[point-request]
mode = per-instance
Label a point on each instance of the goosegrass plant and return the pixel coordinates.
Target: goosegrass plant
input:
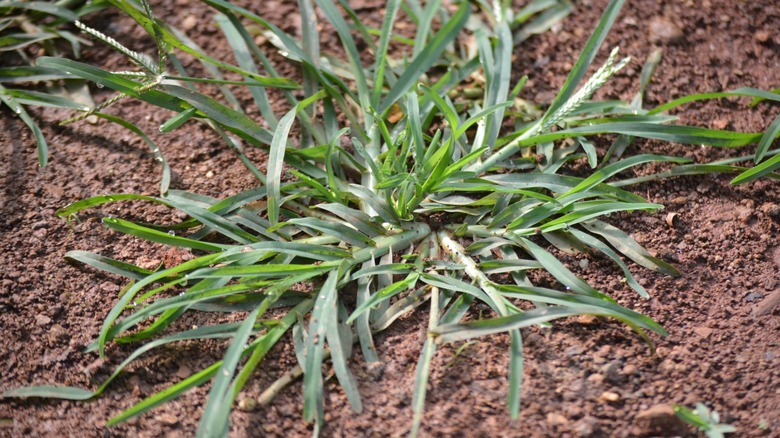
(423, 179)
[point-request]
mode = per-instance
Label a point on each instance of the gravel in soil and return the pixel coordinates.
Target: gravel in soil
(586, 377)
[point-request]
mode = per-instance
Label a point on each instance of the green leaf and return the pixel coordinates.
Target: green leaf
(427, 57)
(385, 294)
(108, 264)
(628, 246)
(43, 148)
(589, 210)
(749, 92)
(339, 336)
(165, 180)
(455, 285)
(391, 11)
(601, 246)
(558, 270)
(761, 170)
(159, 236)
(276, 164)
(156, 29)
(84, 204)
(766, 140)
(31, 74)
(178, 120)
(340, 231)
(447, 333)
(214, 421)
(166, 395)
(586, 56)
(314, 349)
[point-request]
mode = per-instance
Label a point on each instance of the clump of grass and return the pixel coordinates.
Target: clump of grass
(398, 188)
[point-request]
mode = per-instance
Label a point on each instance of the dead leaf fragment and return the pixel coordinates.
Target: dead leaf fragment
(673, 220)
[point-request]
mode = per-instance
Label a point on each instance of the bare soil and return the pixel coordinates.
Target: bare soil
(585, 377)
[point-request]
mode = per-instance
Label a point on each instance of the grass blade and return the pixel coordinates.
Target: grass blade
(766, 140)
(628, 246)
(761, 170)
(16, 107)
(587, 55)
(214, 421)
(276, 164)
(427, 57)
(314, 348)
(108, 264)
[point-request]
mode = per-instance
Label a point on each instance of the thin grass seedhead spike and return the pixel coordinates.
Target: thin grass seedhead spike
(596, 81)
(139, 59)
(94, 110)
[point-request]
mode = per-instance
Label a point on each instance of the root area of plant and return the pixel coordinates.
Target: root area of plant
(586, 377)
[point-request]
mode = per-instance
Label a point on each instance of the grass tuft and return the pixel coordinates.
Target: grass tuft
(404, 185)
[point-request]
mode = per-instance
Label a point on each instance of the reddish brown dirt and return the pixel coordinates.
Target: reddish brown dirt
(722, 315)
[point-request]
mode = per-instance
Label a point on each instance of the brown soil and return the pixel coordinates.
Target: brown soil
(582, 378)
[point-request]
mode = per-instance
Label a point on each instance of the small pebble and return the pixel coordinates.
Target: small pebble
(183, 372)
(247, 404)
(609, 397)
(659, 420)
(168, 419)
(703, 332)
(611, 371)
(587, 427)
(42, 320)
(770, 209)
(57, 334)
(556, 419)
(664, 31)
(189, 22)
